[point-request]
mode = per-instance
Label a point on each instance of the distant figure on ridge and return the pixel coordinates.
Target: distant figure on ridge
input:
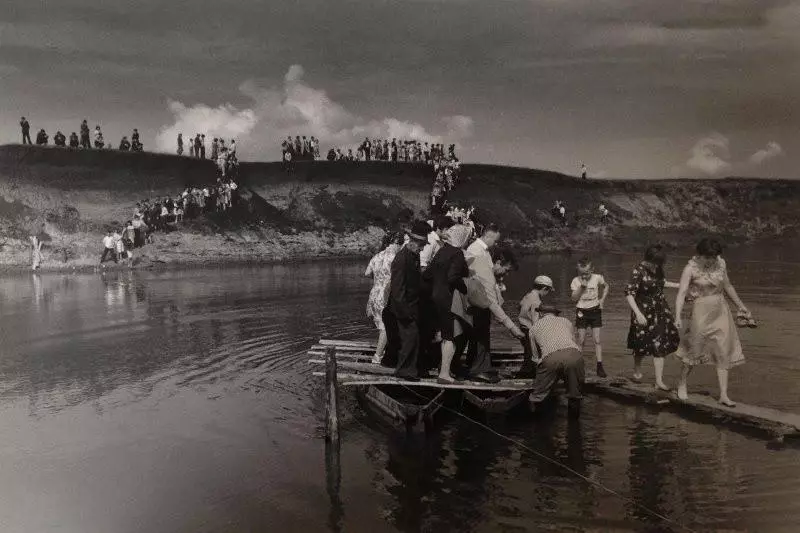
(73, 140)
(26, 131)
(98, 137)
(180, 144)
(202, 146)
(60, 140)
(124, 144)
(41, 137)
(583, 171)
(85, 140)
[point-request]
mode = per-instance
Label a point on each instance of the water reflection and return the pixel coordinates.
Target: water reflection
(204, 373)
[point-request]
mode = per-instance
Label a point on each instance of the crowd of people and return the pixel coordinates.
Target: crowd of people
(305, 149)
(223, 155)
(437, 286)
(87, 140)
(159, 214)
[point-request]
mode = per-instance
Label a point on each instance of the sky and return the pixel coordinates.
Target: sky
(631, 88)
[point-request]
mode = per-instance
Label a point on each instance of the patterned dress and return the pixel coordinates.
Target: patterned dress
(711, 337)
(660, 336)
(380, 268)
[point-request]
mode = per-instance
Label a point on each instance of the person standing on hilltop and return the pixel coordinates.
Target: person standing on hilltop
(85, 140)
(367, 148)
(202, 146)
(180, 144)
(98, 137)
(59, 139)
(73, 140)
(583, 171)
(26, 131)
(315, 142)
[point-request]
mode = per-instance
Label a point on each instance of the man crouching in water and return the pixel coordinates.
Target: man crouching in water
(558, 357)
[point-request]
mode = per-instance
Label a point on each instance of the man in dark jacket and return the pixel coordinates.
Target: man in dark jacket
(401, 316)
(26, 131)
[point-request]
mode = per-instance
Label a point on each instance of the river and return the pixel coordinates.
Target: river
(182, 401)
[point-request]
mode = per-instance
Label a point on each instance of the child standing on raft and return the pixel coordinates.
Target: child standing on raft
(589, 292)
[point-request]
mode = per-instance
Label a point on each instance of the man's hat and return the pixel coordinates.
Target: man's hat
(543, 280)
(419, 230)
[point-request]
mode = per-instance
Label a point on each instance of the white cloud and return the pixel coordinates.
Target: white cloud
(710, 154)
(770, 151)
(296, 109)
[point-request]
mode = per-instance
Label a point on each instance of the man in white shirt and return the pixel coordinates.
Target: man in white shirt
(558, 357)
(484, 270)
(109, 247)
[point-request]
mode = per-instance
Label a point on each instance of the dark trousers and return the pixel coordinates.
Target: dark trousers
(565, 364)
(479, 358)
(402, 344)
(26, 137)
(107, 251)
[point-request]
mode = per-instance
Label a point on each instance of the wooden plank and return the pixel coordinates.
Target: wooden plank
(366, 346)
(368, 359)
(770, 420)
(349, 380)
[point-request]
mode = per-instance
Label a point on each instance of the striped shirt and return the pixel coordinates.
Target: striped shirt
(552, 333)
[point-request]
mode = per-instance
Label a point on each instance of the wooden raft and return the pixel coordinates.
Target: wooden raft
(355, 369)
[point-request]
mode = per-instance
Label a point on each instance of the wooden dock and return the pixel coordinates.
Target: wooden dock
(355, 369)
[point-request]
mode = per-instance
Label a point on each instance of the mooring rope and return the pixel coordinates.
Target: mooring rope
(555, 462)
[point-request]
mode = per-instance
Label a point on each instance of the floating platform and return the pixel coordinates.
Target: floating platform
(355, 369)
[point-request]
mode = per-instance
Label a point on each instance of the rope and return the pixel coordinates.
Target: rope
(563, 466)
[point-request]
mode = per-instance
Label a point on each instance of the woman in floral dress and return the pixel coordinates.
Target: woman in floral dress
(711, 337)
(653, 332)
(380, 268)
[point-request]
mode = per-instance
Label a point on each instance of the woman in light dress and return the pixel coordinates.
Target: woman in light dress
(380, 268)
(711, 336)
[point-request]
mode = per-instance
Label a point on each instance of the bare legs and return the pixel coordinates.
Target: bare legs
(682, 387)
(380, 348)
(598, 348)
(448, 351)
(722, 377)
(658, 366)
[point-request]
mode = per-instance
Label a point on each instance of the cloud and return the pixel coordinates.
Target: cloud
(770, 151)
(710, 154)
(296, 108)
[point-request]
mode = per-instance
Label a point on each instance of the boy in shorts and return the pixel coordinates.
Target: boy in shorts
(589, 292)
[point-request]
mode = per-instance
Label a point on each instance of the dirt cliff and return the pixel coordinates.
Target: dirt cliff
(326, 209)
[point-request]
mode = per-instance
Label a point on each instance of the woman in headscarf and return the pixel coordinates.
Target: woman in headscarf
(711, 337)
(446, 274)
(380, 269)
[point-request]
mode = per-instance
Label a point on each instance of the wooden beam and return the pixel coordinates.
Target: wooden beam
(332, 404)
(349, 380)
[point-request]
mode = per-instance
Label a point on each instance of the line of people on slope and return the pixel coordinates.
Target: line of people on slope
(84, 141)
(427, 314)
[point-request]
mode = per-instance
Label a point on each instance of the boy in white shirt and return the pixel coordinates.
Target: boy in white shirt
(589, 292)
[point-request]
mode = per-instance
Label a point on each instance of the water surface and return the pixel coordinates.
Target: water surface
(183, 401)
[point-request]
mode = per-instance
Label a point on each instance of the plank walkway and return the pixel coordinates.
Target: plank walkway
(355, 369)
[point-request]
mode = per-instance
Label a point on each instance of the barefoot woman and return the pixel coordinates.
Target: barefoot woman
(711, 337)
(652, 332)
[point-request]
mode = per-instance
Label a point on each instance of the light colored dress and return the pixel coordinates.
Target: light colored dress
(711, 337)
(380, 268)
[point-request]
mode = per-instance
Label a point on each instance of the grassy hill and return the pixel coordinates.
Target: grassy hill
(333, 209)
